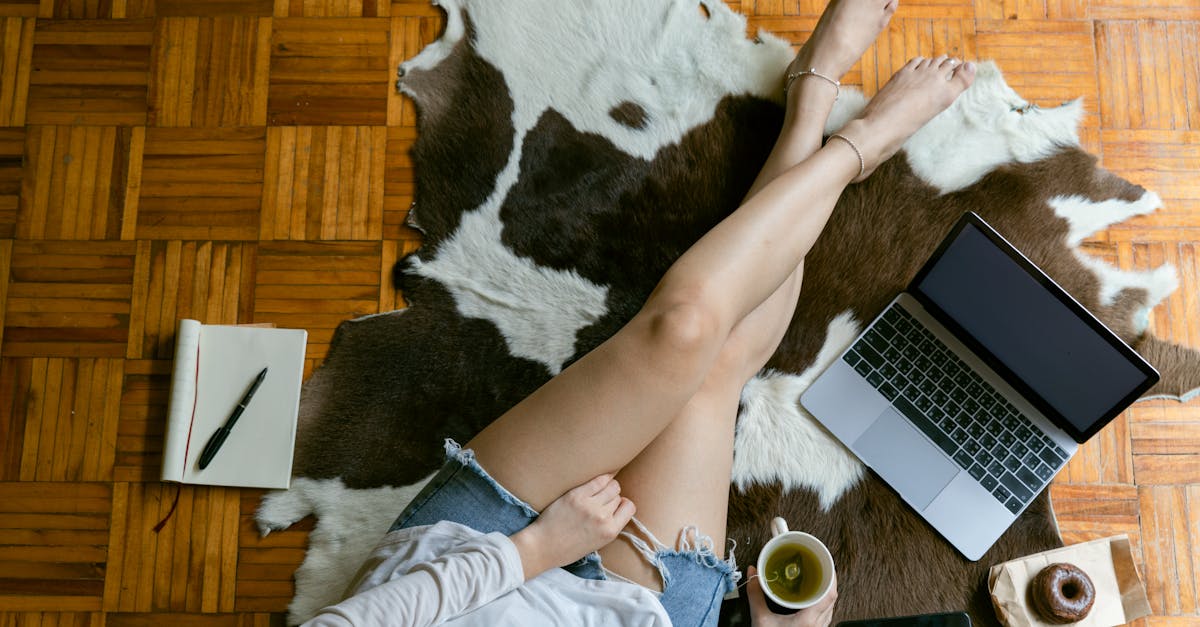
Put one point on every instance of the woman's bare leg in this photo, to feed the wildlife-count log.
(603, 410)
(682, 478)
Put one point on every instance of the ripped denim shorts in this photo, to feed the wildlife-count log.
(694, 578)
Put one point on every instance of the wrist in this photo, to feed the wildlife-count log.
(529, 547)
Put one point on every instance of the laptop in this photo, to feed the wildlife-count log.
(975, 386)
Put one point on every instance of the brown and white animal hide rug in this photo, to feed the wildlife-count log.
(567, 153)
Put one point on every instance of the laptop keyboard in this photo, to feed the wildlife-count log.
(967, 418)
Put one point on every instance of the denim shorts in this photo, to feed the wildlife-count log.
(694, 578)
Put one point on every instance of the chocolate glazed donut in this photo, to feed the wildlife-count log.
(1062, 593)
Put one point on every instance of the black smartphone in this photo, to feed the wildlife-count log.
(946, 619)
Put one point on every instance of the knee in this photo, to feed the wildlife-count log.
(686, 328)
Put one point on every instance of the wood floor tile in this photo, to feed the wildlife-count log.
(210, 71)
(329, 71)
(330, 183)
(212, 282)
(89, 72)
(314, 286)
(74, 185)
(69, 408)
(1132, 98)
(68, 299)
(53, 545)
(201, 184)
(16, 49)
(190, 566)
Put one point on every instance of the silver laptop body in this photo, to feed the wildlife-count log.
(923, 402)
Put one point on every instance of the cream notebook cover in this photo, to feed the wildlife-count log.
(214, 367)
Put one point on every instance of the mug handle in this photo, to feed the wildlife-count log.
(779, 526)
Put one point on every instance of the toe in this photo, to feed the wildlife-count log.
(913, 63)
(939, 61)
(964, 74)
(891, 6)
(947, 62)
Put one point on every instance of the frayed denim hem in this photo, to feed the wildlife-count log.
(466, 457)
(691, 545)
(588, 566)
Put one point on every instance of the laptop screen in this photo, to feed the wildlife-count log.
(1030, 331)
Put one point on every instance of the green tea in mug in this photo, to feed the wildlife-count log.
(793, 573)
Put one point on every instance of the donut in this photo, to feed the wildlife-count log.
(1062, 593)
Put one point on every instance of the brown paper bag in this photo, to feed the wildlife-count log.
(1120, 594)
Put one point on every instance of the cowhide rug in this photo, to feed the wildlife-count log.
(567, 153)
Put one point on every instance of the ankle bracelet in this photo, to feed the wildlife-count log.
(812, 72)
(862, 163)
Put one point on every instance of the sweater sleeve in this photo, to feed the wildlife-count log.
(467, 577)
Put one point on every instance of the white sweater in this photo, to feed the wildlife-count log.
(451, 574)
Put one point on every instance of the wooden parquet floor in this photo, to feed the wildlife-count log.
(247, 161)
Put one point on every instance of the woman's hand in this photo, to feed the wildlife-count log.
(819, 615)
(575, 524)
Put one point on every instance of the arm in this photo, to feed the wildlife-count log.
(477, 572)
(459, 581)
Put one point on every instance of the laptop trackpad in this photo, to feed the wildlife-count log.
(905, 459)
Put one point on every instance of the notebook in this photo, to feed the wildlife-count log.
(975, 386)
(214, 367)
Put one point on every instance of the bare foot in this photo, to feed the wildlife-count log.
(845, 30)
(915, 94)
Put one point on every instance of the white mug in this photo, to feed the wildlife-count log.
(782, 536)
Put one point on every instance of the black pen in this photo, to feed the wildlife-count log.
(218, 438)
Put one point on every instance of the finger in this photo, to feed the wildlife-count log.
(596, 484)
(754, 594)
(608, 493)
(625, 511)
